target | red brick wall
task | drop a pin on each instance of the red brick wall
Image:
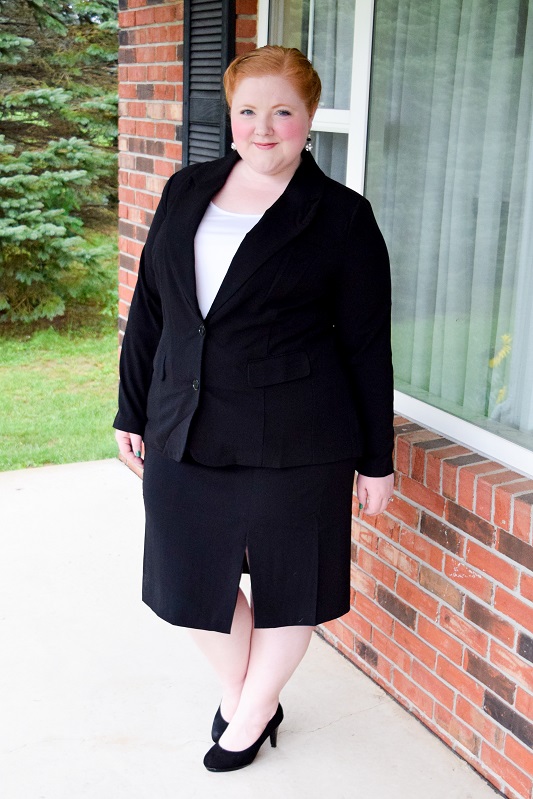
(442, 588)
(442, 602)
(150, 117)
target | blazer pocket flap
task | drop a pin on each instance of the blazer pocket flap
(278, 369)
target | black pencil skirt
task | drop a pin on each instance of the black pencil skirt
(290, 526)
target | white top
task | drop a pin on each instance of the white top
(217, 239)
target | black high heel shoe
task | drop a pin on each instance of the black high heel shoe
(219, 726)
(219, 759)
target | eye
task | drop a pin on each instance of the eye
(246, 112)
(283, 112)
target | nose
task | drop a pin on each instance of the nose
(263, 125)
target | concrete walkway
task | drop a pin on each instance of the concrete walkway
(99, 699)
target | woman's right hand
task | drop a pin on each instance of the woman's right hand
(130, 446)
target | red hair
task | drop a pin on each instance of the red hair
(284, 62)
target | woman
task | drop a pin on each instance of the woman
(256, 372)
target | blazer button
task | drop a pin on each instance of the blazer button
(201, 330)
(196, 384)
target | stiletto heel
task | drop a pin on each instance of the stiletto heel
(220, 759)
(274, 738)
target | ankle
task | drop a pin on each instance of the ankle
(256, 713)
(230, 701)
(246, 728)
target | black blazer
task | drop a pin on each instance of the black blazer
(292, 364)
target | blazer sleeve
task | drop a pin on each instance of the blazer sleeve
(142, 335)
(363, 321)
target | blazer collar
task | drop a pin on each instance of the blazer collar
(283, 221)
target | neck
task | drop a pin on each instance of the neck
(248, 191)
(266, 182)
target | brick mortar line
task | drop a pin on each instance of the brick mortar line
(507, 758)
(442, 601)
(412, 709)
(455, 743)
(150, 64)
(143, 26)
(130, 170)
(143, 191)
(450, 524)
(510, 562)
(494, 490)
(379, 678)
(405, 651)
(166, 159)
(129, 238)
(144, 227)
(474, 497)
(147, 138)
(470, 759)
(424, 690)
(162, 4)
(154, 23)
(135, 154)
(452, 635)
(151, 100)
(443, 518)
(467, 724)
(513, 592)
(465, 646)
(126, 269)
(394, 666)
(151, 26)
(486, 658)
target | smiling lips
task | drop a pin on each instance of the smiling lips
(264, 145)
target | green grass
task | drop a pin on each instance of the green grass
(58, 396)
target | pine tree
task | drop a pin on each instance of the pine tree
(57, 154)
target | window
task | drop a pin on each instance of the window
(320, 29)
(446, 157)
(449, 172)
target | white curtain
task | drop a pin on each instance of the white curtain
(323, 30)
(450, 175)
(331, 54)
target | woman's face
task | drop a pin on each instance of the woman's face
(270, 123)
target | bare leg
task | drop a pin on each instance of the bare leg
(229, 654)
(274, 655)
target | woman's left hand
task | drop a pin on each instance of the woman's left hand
(130, 446)
(374, 493)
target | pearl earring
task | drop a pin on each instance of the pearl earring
(233, 145)
(308, 143)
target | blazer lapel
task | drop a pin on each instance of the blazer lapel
(189, 210)
(283, 221)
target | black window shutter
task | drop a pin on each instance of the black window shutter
(209, 46)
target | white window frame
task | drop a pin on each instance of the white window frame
(354, 123)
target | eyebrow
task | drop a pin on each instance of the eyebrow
(278, 105)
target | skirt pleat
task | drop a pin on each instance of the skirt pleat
(291, 526)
